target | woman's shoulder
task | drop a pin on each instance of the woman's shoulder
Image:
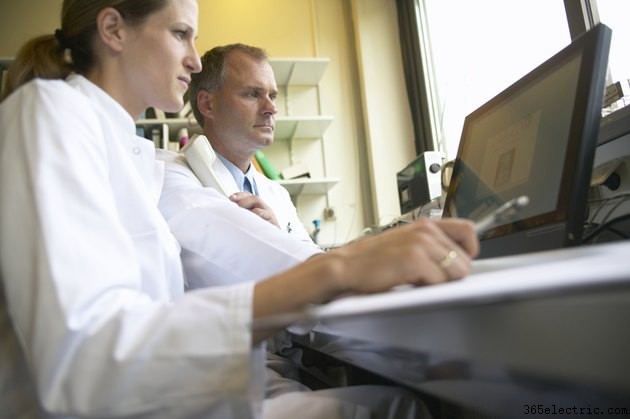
(53, 104)
(39, 92)
(52, 88)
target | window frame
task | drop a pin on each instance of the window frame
(581, 16)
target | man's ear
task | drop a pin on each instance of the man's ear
(110, 27)
(204, 103)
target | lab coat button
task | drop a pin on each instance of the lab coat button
(136, 150)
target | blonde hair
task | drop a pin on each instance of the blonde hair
(70, 49)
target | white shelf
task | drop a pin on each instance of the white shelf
(298, 71)
(176, 122)
(174, 125)
(288, 127)
(308, 186)
(288, 72)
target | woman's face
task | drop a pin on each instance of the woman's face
(160, 56)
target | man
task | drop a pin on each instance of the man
(233, 101)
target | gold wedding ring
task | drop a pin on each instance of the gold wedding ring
(448, 259)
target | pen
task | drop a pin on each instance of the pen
(501, 214)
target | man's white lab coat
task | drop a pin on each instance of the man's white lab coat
(273, 194)
(221, 242)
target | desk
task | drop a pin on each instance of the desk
(550, 332)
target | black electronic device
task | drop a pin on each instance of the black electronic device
(536, 138)
(419, 182)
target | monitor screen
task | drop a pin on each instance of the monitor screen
(536, 138)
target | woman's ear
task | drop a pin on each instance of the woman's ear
(110, 27)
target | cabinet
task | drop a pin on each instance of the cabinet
(299, 76)
(298, 81)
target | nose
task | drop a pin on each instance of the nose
(269, 107)
(192, 61)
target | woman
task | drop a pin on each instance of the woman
(91, 276)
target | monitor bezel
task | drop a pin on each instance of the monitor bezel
(564, 225)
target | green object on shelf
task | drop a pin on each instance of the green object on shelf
(266, 166)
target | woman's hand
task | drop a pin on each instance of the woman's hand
(422, 252)
(419, 253)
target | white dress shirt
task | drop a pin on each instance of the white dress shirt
(92, 278)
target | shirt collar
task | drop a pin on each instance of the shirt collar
(238, 175)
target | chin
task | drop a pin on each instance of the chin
(172, 105)
(267, 142)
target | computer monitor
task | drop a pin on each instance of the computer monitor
(536, 138)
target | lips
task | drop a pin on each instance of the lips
(270, 126)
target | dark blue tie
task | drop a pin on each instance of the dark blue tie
(247, 186)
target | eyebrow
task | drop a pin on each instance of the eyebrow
(260, 89)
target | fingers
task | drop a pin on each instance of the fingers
(446, 261)
(239, 196)
(442, 251)
(266, 215)
(462, 232)
(256, 205)
(441, 261)
(248, 201)
(458, 245)
(418, 253)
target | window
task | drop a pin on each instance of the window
(614, 13)
(478, 48)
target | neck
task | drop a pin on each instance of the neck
(238, 158)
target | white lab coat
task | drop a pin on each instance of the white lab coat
(221, 242)
(92, 275)
(274, 195)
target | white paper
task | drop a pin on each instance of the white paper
(502, 278)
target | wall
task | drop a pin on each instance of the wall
(308, 28)
(21, 20)
(389, 130)
(363, 78)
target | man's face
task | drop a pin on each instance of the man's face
(243, 109)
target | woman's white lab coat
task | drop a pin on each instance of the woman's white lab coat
(92, 275)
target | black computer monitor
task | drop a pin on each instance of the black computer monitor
(536, 138)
